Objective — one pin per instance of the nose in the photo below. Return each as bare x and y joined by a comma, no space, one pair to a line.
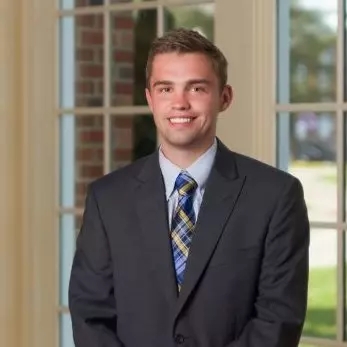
180,101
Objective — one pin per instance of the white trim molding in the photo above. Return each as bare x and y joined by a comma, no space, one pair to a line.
10,183
245,31
38,126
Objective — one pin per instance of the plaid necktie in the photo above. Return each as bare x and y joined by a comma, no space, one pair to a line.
183,223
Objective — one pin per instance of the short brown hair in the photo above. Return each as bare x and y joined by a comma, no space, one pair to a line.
188,41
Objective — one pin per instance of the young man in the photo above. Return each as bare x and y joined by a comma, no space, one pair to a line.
194,245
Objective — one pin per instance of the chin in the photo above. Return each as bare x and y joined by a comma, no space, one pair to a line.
183,143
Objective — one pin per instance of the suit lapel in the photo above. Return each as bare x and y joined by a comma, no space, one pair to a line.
221,193
151,207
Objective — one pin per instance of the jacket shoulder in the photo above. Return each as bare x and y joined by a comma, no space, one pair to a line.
261,172
119,178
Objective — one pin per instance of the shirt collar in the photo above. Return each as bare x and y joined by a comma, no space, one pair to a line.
199,170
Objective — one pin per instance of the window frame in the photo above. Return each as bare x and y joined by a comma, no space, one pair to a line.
252,73
339,227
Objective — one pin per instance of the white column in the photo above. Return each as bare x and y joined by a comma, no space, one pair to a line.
40,177
10,183
245,31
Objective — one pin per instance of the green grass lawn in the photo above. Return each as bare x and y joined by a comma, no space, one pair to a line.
321,313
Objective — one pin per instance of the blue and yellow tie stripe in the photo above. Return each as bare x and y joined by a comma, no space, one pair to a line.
183,223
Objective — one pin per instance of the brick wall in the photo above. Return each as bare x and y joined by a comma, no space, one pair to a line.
89,93
89,153
89,61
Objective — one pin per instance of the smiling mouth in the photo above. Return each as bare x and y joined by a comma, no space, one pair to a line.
181,120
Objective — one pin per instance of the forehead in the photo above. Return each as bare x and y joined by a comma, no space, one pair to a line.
191,65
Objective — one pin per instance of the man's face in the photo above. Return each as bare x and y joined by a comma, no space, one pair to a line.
185,98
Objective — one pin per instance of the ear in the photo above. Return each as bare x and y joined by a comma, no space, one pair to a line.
226,98
149,99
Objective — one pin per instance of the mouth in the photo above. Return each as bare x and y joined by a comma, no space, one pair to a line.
181,120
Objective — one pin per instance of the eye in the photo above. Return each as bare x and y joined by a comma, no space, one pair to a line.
198,89
165,90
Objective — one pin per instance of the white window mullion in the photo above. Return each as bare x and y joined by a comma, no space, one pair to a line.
340,172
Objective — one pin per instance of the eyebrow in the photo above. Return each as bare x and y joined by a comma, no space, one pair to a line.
161,83
189,82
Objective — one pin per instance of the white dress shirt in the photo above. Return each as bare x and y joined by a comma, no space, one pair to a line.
199,170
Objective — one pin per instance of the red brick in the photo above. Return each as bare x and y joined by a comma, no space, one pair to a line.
100,87
91,171
80,199
115,39
79,3
123,88
124,138
84,54
123,56
123,23
85,21
92,136
99,22
84,121
81,188
127,39
100,55
92,38
123,122
85,154
85,87
122,154
81,101
122,100
99,154
89,121
91,71
98,122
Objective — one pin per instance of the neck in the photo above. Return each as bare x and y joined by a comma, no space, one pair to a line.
184,157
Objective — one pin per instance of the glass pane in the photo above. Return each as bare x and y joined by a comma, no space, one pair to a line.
81,156
307,37
69,224
322,296
131,37
197,17
66,339
306,144
70,4
132,137
82,61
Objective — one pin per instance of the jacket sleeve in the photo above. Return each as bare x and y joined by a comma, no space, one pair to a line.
281,303
91,300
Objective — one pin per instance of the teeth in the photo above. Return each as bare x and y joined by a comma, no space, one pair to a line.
180,120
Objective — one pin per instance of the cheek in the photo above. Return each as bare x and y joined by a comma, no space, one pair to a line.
160,103
207,107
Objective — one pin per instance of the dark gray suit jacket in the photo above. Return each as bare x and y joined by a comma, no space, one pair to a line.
246,276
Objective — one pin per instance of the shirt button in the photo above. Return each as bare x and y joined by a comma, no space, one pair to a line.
179,339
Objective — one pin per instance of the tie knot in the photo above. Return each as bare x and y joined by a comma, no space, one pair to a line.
185,184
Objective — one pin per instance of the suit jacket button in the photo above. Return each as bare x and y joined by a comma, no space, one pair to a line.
179,339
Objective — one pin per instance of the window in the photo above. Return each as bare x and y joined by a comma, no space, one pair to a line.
311,144
103,119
